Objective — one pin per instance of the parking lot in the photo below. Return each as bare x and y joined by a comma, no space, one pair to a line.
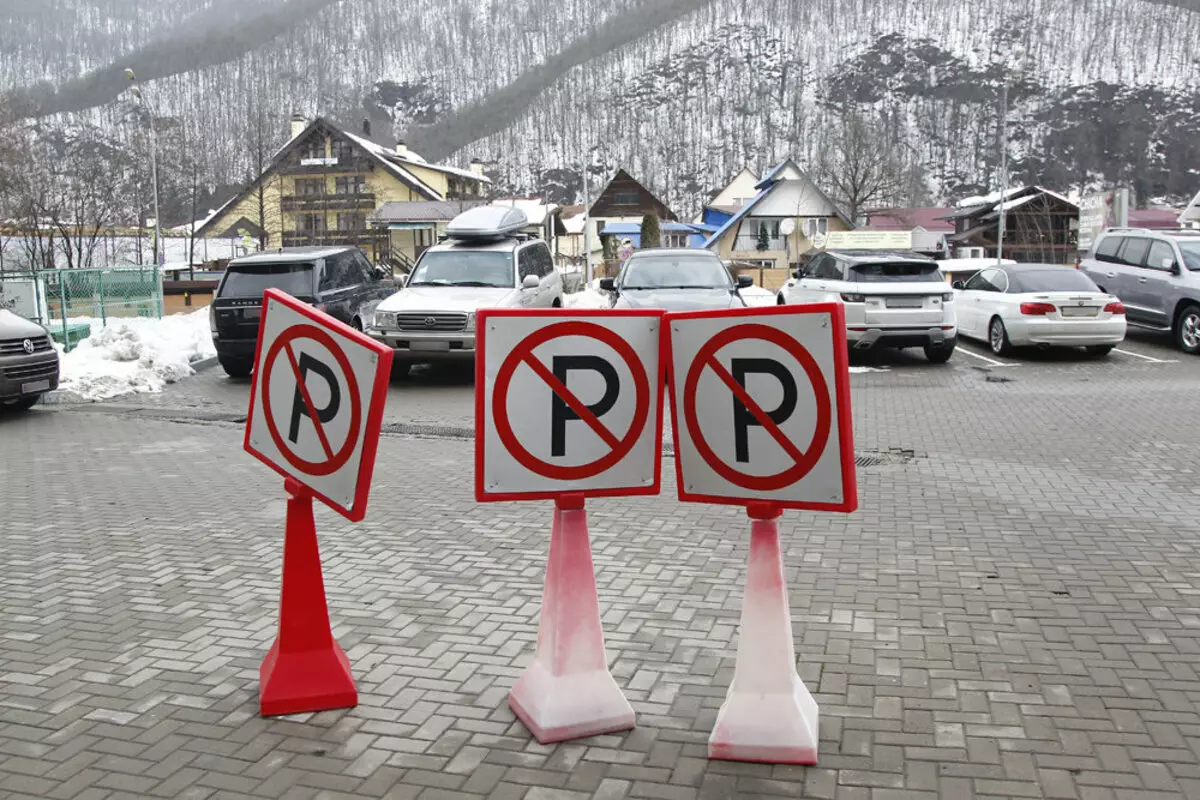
1011,613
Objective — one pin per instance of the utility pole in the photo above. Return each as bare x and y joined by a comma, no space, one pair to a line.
1003,169
587,225
136,91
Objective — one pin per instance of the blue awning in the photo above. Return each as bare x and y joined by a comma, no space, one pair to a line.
411,226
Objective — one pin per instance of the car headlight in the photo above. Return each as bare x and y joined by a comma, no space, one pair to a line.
384,319
471,321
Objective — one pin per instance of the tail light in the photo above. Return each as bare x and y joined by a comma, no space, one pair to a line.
1115,308
1037,309
854,298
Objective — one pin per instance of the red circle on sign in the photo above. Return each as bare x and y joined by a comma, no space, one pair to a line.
524,352
810,457
338,459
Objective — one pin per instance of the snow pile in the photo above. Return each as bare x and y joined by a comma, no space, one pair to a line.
757,296
135,355
589,298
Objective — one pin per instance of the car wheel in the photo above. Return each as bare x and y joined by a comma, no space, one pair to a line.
1187,330
400,369
1099,350
781,301
557,303
236,367
356,323
998,337
938,355
20,404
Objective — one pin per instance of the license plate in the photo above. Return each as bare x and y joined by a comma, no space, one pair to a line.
251,313
905,302
35,386
1079,311
429,345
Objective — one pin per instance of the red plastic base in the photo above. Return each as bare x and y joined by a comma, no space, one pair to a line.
305,669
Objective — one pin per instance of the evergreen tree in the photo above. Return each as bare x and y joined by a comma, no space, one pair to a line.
651,232
764,239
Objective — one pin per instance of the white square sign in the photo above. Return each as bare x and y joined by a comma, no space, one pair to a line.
761,407
316,402
568,402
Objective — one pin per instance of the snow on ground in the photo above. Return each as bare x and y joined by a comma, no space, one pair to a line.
134,355
591,297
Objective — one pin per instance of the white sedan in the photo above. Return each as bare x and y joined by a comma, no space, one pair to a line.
1044,305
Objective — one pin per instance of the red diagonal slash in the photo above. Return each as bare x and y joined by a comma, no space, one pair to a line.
308,403
754,408
568,397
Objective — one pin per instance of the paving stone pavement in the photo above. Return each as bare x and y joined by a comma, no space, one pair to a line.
1014,611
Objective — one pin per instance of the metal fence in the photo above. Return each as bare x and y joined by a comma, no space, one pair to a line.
65,300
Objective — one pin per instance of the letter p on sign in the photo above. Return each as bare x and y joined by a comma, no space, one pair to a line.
761,406
568,402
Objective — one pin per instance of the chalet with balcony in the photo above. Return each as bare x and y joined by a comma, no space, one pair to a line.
787,217
321,188
1040,226
624,200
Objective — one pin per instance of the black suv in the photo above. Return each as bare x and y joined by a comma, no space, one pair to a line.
337,280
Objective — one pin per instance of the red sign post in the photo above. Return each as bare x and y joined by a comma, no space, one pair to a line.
569,406
763,420
316,407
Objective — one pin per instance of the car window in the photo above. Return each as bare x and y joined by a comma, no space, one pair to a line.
1062,279
1107,249
982,282
895,271
527,263
1133,251
1160,252
251,280
830,269
338,273
545,263
999,279
676,272
464,268
1191,255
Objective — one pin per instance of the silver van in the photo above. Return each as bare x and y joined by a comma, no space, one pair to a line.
28,362
1156,274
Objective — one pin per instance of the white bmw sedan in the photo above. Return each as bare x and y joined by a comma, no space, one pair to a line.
1043,305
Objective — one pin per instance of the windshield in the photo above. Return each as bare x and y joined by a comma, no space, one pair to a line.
464,268
890,272
675,272
1051,280
251,280
1191,255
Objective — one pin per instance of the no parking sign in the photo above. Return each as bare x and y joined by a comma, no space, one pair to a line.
761,402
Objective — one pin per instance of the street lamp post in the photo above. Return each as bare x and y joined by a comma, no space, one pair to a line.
138,95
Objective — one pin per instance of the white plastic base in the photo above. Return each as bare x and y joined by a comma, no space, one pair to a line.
569,706
567,691
769,715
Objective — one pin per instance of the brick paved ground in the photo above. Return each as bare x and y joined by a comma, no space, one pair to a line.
1015,611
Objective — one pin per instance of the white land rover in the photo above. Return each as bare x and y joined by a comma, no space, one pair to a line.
483,263
891,299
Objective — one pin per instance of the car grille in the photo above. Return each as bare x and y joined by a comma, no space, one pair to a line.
431,322
16,347
25,372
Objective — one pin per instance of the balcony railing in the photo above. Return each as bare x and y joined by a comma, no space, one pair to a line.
359,201
333,238
749,244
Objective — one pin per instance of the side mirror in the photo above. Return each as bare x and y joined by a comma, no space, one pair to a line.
796,274
608,285
744,281
381,274
531,282
958,285
1169,264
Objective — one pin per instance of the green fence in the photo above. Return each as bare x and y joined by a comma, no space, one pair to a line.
67,296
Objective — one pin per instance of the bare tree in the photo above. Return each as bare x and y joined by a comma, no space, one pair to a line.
860,164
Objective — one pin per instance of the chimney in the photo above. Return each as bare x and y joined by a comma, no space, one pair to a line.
299,123
402,148
366,128
477,167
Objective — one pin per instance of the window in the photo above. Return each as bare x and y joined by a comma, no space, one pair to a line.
675,240
815,225
817,266
308,187
700,271
999,279
251,280
982,282
1062,279
313,148
527,264
351,184
1191,254
1160,252
1106,250
825,268
1134,251
364,268
464,268
350,222
340,149
625,197
545,262
331,277
310,223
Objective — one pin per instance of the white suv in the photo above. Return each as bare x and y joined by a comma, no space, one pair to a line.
484,263
891,299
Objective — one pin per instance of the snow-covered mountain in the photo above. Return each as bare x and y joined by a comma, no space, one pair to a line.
681,92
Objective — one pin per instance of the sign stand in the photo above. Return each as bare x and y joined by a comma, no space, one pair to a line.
305,669
567,691
769,714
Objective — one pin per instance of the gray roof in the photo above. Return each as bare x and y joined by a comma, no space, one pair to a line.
288,254
422,210
877,255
